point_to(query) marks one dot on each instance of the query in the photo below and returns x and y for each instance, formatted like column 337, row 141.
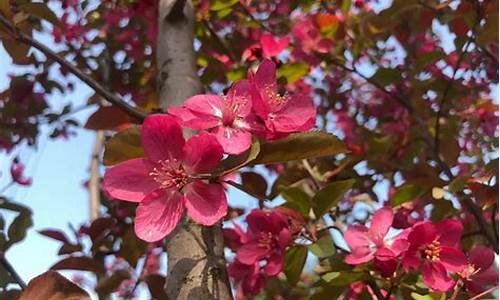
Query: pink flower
column 480, row 273
column 165, row 182
column 309, row 37
column 272, row 46
column 16, row 171
column 250, row 278
column 434, row 251
column 266, row 239
column 282, row 114
column 369, row 243
column 228, row 118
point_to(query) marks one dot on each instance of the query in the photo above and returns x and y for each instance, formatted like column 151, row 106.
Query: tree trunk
column 196, row 265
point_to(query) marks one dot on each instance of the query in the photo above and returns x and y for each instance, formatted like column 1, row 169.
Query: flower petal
column 435, row 277
column 239, row 97
column 357, row 236
column 452, row 259
column 266, row 75
column 381, row 221
column 202, row 153
column 205, row 104
column 158, row 214
column 422, row 233
column 359, row 255
column 206, row 203
column 274, row 264
column 482, row 257
column 233, row 140
column 298, row 112
column 162, row 137
column 129, row 180
column 450, row 232
column 251, row 252
column 194, row 120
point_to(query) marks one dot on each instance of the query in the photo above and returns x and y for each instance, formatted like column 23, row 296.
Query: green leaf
column 406, row 193
column 295, row 259
column 222, row 4
column 329, row 196
column 123, row 146
column 385, row 76
column 293, row 72
column 300, row 146
column 297, row 199
column 342, row 278
column 323, row 248
column 235, row 162
column 431, row 296
column 18, row 228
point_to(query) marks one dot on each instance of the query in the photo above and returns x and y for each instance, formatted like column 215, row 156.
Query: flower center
column 266, row 240
column 273, row 97
column 432, row 250
column 170, row 173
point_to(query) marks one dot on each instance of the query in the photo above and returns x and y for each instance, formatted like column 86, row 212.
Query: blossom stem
column 2, row 190
column 376, row 289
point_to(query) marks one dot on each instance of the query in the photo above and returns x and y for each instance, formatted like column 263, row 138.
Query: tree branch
column 12, row 272
column 98, row 88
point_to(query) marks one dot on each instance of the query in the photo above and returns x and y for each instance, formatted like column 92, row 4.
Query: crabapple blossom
column 165, row 182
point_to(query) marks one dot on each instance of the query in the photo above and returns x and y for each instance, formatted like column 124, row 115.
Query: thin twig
column 12, row 272
column 376, row 290
column 478, row 296
column 97, row 87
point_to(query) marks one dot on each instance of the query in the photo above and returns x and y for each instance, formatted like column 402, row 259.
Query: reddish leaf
column 99, row 227
column 78, row 263
column 108, row 118
column 54, row 234
column 53, row 286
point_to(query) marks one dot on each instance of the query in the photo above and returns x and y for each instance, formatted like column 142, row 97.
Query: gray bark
column 196, row 265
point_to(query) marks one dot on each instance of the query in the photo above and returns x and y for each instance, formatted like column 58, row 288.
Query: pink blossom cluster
column 250, row 107
column 433, row 249
column 174, row 176
column 260, row 251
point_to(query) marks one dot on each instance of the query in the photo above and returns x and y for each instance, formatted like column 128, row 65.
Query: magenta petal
column 266, row 75
column 422, row 233
column 206, row 203
column 162, row 137
column 258, row 221
column 205, row 104
column 274, row 264
column 202, row 153
column 250, row 253
column 239, row 97
column 381, row 221
column 399, row 246
column 452, row 259
column 359, row 255
column 298, row 111
column 357, row 236
column 233, row 141
column 194, row 120
column 482, row 257
column 450, row 232
column 158, row 214
column 435, row 277
column 129, row 180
